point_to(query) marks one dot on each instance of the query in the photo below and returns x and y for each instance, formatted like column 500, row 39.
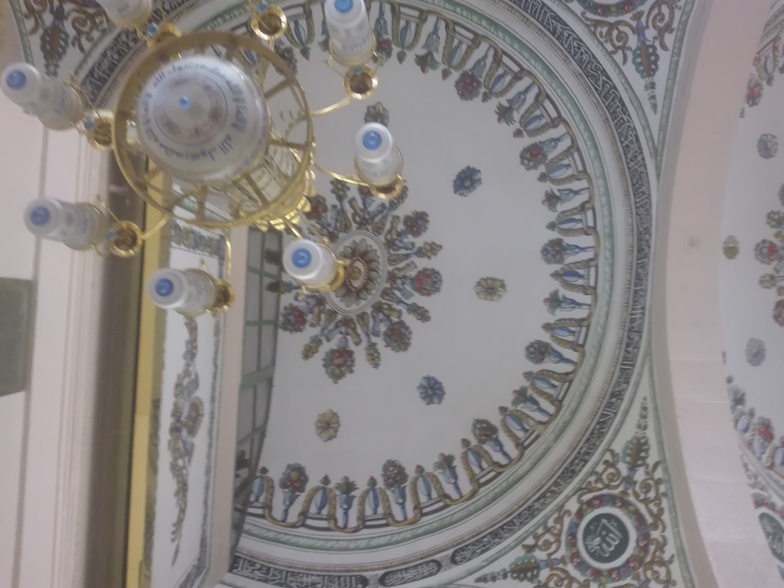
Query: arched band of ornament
column 610, row 9
column 273, row 193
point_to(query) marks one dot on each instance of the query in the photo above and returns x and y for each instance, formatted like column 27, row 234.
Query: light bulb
column 377, row 159
column 350, row 35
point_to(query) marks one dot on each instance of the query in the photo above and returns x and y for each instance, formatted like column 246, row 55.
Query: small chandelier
column 197, row 107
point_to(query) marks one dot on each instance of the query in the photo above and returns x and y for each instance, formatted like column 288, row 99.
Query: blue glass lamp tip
column 184, row 102
column 301, row 258
column 164, row 287
column 371, row 140
column 344, row 5
column 16, row 79
column 40, row 215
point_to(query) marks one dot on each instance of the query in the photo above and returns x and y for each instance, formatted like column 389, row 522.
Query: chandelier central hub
column 201, row 118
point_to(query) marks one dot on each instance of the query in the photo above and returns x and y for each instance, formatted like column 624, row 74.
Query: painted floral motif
column 755, row 352
column 339, row 361
column 393, row 474
column 371, row 228
column 557, row 197
column 431, row 390
column 555, row 251
column 394, row 478
column 363, row 272
column 187, row 414
column 466, row 181
column 778, row 312
column 731, row 247
column 767, row 145
column 197, row 240
column 327, row 425
column 539, row 352
column 469, row 82
column 641, row 35
column 755, row 432
column 556, row 303
column 427, row 61
column 377, row 113
column 753, row 91
column 74, row 23
column 770, row 252
column 293, row 483
column 537, row 154
column 766, row 63
column 775, row 219
column 490, row 289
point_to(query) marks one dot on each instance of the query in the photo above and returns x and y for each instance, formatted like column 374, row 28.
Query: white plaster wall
column 21, row 144
column 690, row 375
column 43, row 430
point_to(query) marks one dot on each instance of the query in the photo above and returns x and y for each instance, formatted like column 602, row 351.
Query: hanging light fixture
column 197, row 106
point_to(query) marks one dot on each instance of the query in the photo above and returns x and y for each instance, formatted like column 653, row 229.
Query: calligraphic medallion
column 607, row 538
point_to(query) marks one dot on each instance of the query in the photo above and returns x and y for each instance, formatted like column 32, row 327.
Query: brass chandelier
column 197, row 107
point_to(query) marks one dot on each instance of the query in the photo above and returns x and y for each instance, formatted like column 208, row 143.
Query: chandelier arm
column 101, row 203
column 336, row 176
column 333, row 107
column 158, row 226
column 227, row 244
column 330, row 63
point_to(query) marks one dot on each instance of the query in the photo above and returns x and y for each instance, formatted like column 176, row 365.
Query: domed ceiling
column 753, row 284
column 475, row 404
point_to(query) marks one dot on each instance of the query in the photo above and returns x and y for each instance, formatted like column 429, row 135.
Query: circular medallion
column 202, row 119
column 365, row 272
column 607, row 538
column 774, row 534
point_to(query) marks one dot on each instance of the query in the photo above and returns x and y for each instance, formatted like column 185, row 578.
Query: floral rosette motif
column 490, row 289
column 427, row 282
column 467, row 181
column 755, row 352
column 338, row 363
column 431, row 390
column 376, row 113
column 363, row 272
column 374, row 305
column 397, row 336
column 327, row 425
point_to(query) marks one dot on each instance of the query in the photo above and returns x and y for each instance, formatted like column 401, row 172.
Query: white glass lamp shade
column 56, row 105
column 127, row 13
column 350, row 34
column 310, row 263
column 202, row 119
column 377, row 159
column 77, row 225
column 186, row 291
